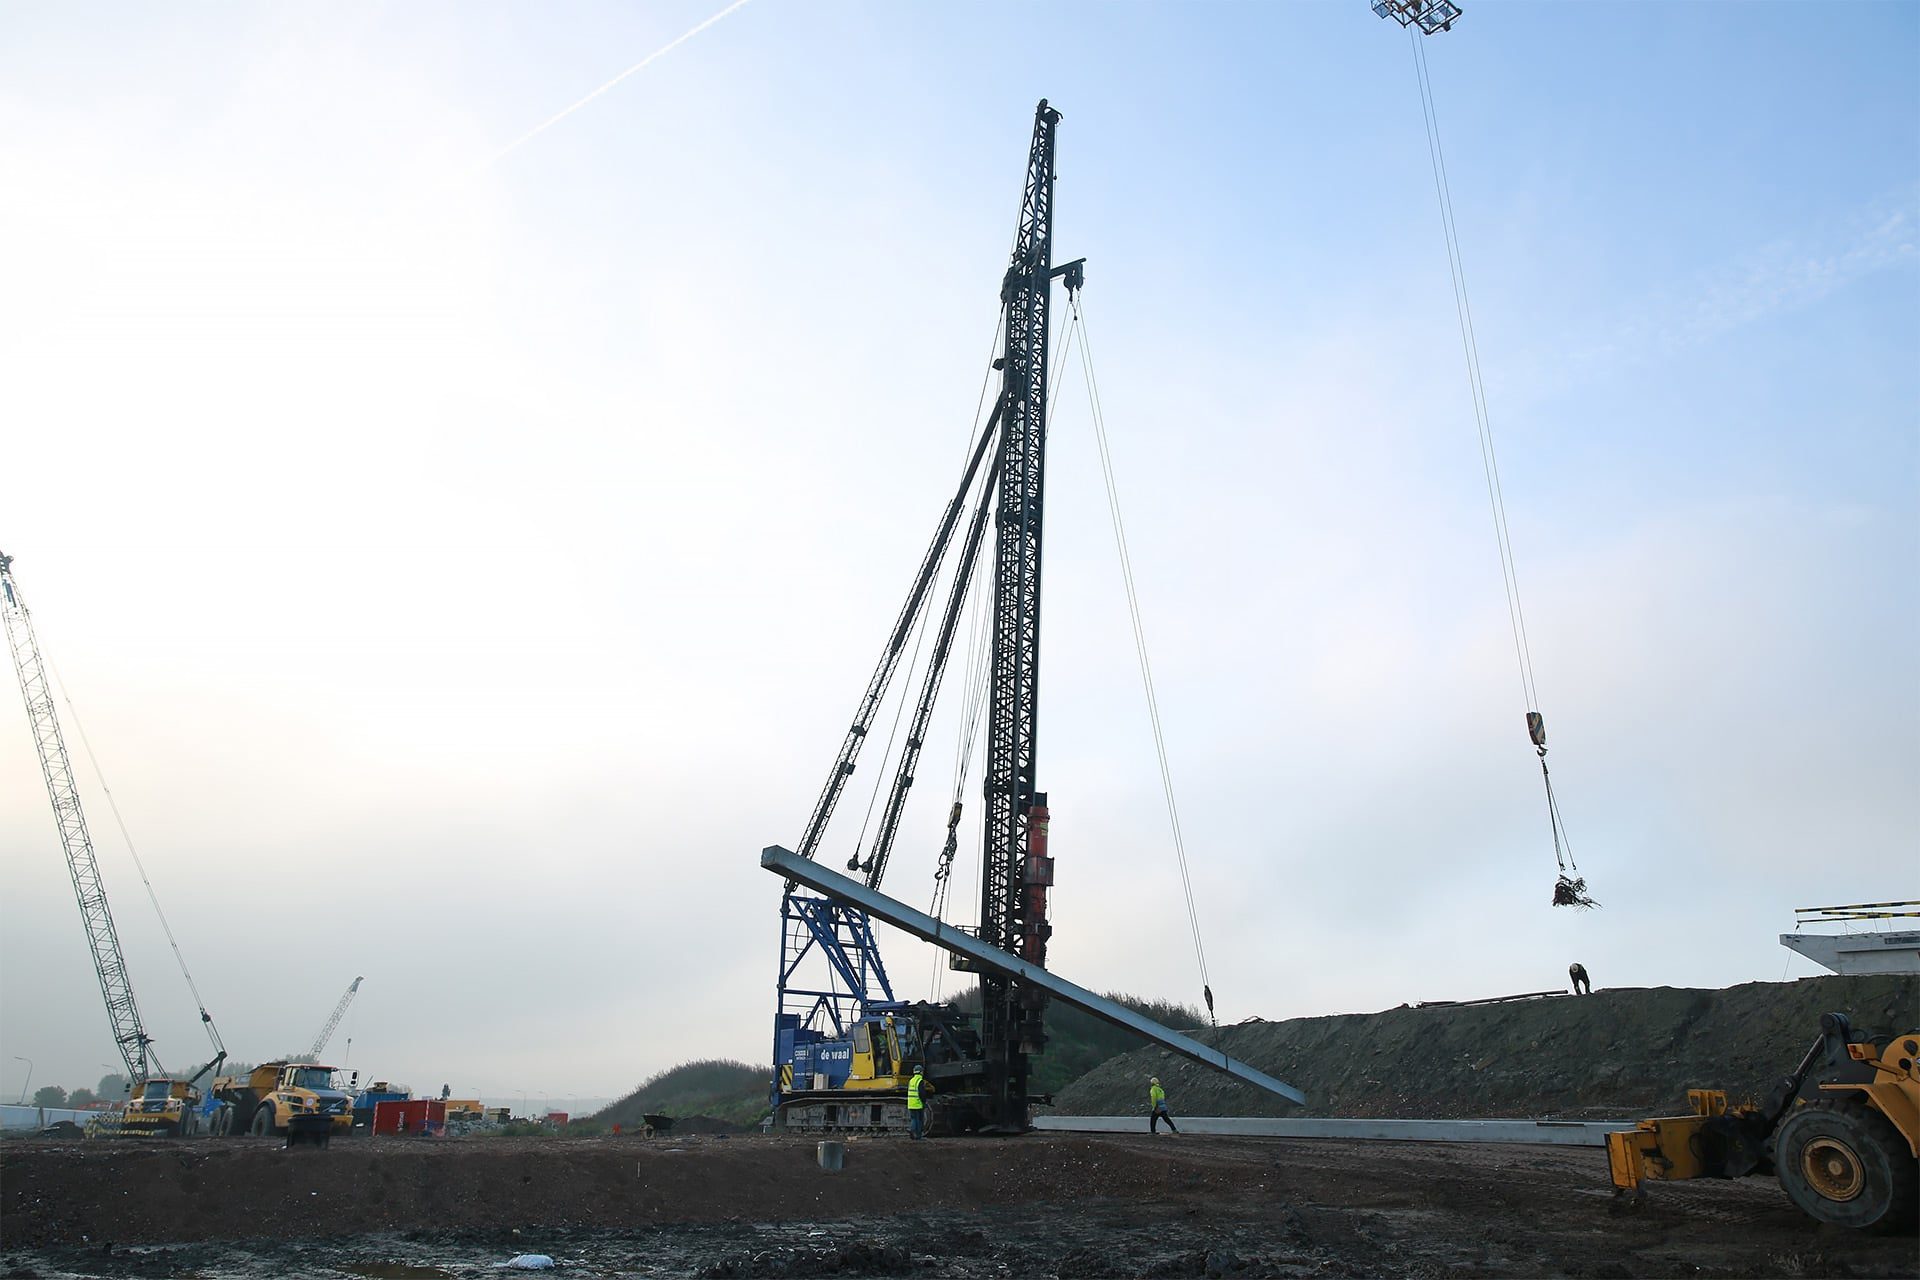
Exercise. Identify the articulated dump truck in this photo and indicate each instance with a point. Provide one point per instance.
(299, 1099)
(158, 1107)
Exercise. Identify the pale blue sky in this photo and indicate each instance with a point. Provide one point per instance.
(505, 543)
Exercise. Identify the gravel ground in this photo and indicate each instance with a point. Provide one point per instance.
(1042, 1205)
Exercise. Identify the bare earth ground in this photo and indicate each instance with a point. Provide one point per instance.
(1042, 1205)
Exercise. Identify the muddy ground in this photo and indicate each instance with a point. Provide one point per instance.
(1042, 1205)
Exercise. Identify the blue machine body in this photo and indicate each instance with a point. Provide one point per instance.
(845, 984)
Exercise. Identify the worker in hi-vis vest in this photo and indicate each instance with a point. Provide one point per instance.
(1157, 1107)
(917, 1089)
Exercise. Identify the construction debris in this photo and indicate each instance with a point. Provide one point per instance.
(1571, 891)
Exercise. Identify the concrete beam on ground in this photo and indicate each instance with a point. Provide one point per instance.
(993, 959)
(1552, 1133)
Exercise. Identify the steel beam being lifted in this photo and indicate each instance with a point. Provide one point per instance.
(992, 959)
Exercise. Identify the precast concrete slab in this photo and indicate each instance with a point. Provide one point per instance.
(1859, 952)
(1551, 1133)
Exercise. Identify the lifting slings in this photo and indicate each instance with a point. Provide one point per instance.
(1570, 889)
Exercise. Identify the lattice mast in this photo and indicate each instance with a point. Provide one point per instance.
(1012, 892)
(333, 1022)
(56, 767)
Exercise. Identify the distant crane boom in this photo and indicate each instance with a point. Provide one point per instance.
(136, 1050)
(333, 1023)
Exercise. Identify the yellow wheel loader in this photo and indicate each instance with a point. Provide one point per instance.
(1842, 1134)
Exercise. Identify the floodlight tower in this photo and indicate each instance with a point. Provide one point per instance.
(1431, 16)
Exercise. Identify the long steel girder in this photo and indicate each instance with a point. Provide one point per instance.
(56, 768)
(1008, 966)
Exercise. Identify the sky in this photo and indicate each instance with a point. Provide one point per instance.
(465, 550)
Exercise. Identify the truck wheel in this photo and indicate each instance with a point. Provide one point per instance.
(262, 1126)
(1843, 1162)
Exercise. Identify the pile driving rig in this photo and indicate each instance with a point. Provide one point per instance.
(843, 1047)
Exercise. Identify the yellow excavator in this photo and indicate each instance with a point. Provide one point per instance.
(1842, 1134)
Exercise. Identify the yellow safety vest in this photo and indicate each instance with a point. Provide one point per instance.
(913, 1093)
(1156, 1097)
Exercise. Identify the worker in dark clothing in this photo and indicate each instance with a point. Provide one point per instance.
(1157, 1107)
(1582, 986)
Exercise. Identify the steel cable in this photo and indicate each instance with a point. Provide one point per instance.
(1140, 646)
(113, 806)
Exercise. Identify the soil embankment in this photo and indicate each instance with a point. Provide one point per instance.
(1614, 1053)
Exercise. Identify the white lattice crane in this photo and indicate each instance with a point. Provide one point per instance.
(109, 964)
(333, 1022)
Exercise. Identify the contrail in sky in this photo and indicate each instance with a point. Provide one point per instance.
(657, 54)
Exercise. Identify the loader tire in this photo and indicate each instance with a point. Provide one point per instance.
(1843, 1162)
(262, 1126)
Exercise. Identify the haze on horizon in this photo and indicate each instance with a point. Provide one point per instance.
(464, 560)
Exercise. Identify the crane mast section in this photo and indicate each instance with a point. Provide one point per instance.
(1010, 1018)
(844, 763)
(56, 768)
(1013, 721)
(333, 1022)
(876, 868)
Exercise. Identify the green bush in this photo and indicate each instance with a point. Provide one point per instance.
(731, 1091)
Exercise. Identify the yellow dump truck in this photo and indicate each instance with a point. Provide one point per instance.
(275, 1096)
(160, 1107)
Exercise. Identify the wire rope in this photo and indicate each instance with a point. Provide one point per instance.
(113, 806)
(1568, 891)
(1140, 646)
(1470, 348)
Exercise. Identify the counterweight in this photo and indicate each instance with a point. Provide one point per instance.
(55, 766)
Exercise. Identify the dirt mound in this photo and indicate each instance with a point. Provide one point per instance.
(1616, 1052)
(715, 1090)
